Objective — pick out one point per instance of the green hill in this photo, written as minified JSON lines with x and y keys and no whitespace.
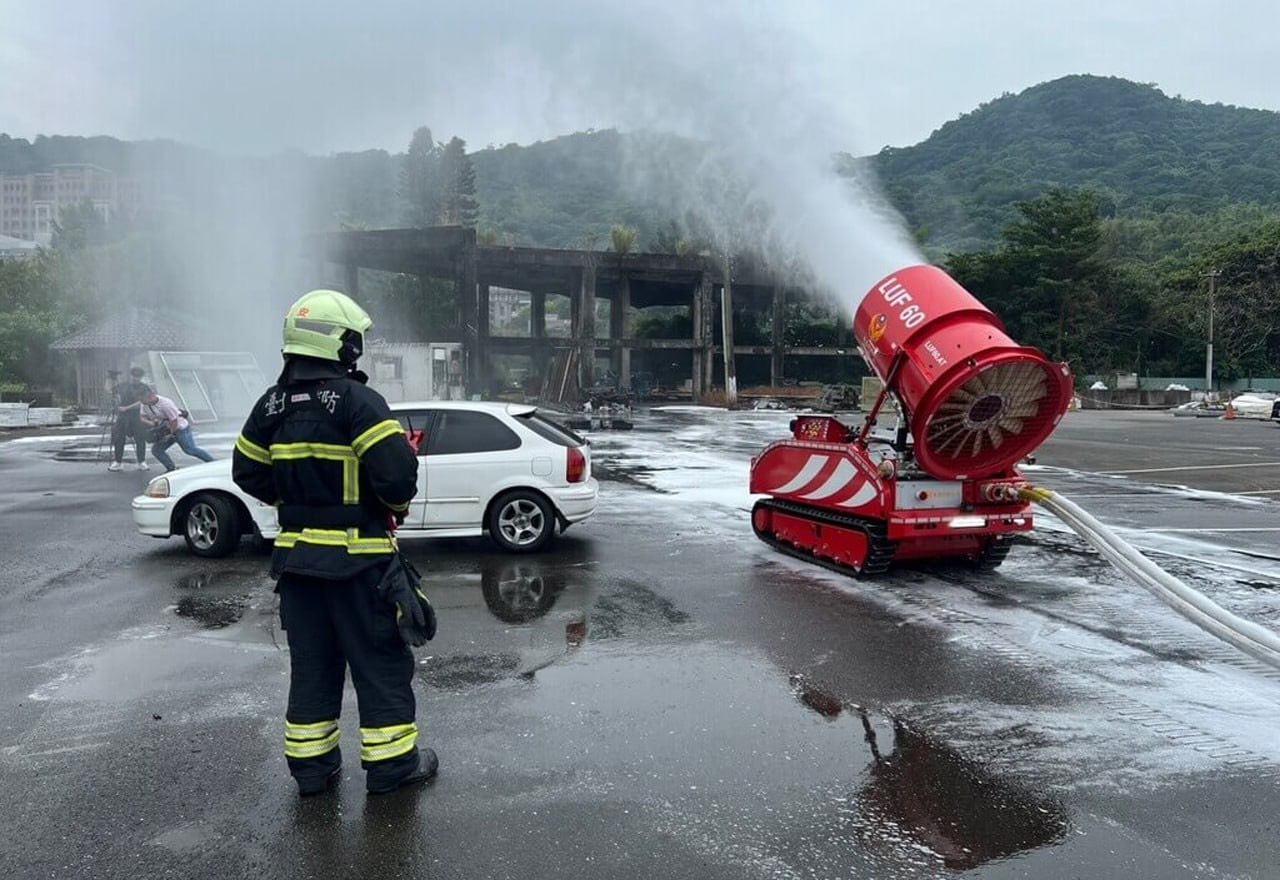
{"x":1143,"y":151}
{"x":1168,"y":167}
{"x":554,"y":193}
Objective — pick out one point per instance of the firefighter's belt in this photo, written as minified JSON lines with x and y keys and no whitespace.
{"x":294,"y":517}
{"x":349,"y":539}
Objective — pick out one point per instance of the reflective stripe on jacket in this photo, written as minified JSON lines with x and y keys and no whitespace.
{"x":327,"y":451}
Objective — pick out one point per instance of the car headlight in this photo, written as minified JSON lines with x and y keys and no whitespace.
{"x":158,"y":488}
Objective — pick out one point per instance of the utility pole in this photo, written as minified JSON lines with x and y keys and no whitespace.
{"x":1212,"y":275}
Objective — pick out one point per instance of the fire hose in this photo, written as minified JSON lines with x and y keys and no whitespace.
{"x":1249,"y":637}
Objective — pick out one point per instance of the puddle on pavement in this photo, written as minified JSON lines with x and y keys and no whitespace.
{"x":1066,"y":545}
{"x":206,"y":579}
{"x":212,"y":612}
{"x":213,"y":597}
{"x":614,"y":471}
{"x":727,"y":756}
{"x":528,"y":613}
{"x":85,"y":449}
{"x":960,"y":810}
{"x":133,"y":668}
{"x":518,"y":592}
{"x":456,"y":672}
{"x":631,"y":609}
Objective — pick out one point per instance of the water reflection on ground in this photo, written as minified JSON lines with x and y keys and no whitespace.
{"x":965,"y":813}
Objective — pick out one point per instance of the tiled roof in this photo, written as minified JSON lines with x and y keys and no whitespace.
{"x":132,"y":328}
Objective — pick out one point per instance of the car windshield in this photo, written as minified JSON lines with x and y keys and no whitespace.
{"x":550,"y":430}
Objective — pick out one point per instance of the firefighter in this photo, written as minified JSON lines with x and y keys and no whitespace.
{"x":325,"y":450}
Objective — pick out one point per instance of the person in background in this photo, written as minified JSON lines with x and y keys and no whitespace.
{"x":128,"y":403}
{"x":161,"y":412}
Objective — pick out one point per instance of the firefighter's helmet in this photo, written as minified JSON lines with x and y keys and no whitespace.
{"x":326,"y":324}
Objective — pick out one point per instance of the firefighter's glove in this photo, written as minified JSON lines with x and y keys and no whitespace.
{"x":401,"y":590}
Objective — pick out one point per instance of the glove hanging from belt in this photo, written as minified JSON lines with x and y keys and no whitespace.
{"x":401,"y":590}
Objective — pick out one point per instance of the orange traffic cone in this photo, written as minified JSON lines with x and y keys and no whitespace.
{"x":1230,"y":412}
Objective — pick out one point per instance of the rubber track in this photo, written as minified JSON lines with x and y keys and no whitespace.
{"x":993,"y":553}
{"x":881,"y":549}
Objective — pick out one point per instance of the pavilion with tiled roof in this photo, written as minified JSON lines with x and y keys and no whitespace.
{"x":119,"y":342}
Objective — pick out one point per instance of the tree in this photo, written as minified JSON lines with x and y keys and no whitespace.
{"x":421,"y":181}
{"x":1051,"y":290}
{"x":32,"y":316}
{"x":79,"y":226}
{"x":623,"y":238}
{"x":458,"y":206}
{"x":1246,"y":308}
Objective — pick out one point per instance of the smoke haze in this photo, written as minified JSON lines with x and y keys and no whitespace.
{"x":771,"y":92}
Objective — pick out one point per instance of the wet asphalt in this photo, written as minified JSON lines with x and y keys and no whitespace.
{"x":660,"y":695}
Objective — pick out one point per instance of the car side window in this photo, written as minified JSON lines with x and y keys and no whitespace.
{"x":417,"y":426}
{"x":459,"y":431}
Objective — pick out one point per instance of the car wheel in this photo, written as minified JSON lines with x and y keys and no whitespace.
{"x":522,"y":521}
{"x":211,"y":526}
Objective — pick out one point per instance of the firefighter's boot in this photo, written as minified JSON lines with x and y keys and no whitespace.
{"x":311,"y":787}
{"x":428,"y":764}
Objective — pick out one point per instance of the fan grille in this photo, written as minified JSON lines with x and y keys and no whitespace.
{"x":999,"y":415}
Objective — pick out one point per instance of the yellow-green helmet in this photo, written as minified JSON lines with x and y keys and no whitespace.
{"x":326,"y":324}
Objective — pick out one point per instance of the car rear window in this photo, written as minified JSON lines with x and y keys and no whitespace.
{"x":549,"y":430}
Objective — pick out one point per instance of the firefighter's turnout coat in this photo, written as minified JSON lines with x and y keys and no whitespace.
{"x":327,"y":452}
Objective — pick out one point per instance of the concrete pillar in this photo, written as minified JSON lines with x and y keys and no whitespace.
{"x":353,"y":281}
{"x":485,"y":371}
{"x":707,"y":295}
{"x":700,"y":355}
{"x":465,"y":287}
{"x":619,"y":329}
{"x":575,"y":304}
{"x":586,"y":326}
{"x":730,"y":361}
{"x":777,"y":335}
{"x":538,"y":331}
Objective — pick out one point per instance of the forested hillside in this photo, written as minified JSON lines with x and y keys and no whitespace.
{"x":1144,"y":152}
{"x":1180,"y":168}
{"x":1086,"y":211}
{"x":557,"y":193}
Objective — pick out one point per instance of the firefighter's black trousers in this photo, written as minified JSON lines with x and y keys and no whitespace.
{"x":330,"y":625}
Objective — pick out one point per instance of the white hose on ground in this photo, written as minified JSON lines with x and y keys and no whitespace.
{"x":1253,"y":639}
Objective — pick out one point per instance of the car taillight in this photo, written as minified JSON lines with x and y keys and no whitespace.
{"x":576,"y":466}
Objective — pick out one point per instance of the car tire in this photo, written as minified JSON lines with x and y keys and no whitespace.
{"x":211,"y":525}
{"x":522,"y":521}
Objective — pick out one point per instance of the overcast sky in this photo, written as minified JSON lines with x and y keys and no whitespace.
{"x":264,"y":75}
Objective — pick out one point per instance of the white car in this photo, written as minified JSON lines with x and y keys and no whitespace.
{"x":1253,"y":404}
{"x":496,"y":468}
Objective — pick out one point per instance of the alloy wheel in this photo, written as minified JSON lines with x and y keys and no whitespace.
{"x":521,"y":522}
{"x":202,"y":525}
